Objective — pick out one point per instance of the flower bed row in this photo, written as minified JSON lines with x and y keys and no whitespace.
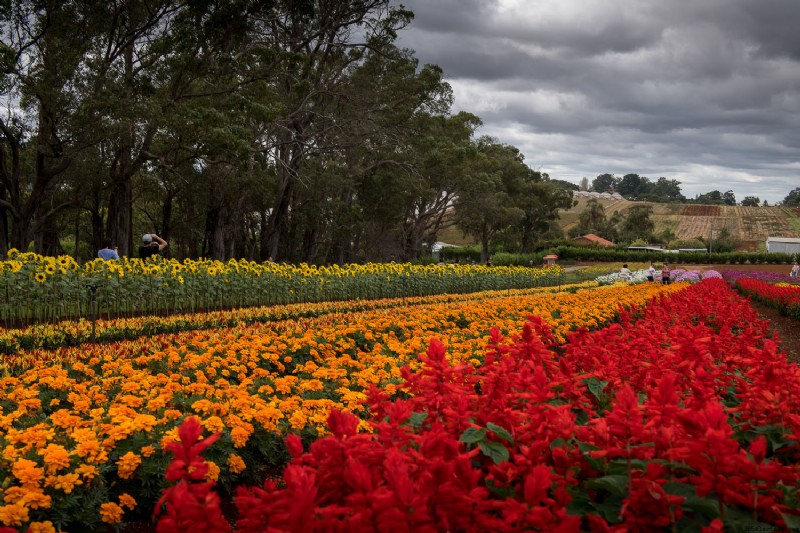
{"x":75,"y":333}
{"x":731,"y":276}
{"x":785,"y":298}
{"x":36,"y":288}
{"x":683,"y":420}
{"x":79,"y":437}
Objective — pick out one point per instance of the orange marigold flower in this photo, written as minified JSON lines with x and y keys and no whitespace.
{"x":41,"y":527}
{"x":239,"y":436}
{"x":214,"y":424}
{"x":213,"y":471}
{"x":147,"y":451}
{"x":126,"y":500}
{"x":33,"y":498}
{"x":27,"y":472}
{"x":298,"y":420}
{"x":14,"y":514}
{"x":67,"y":482}
{"x":111,"y":513}
{"x":56,"y":457}
{"x":236,"y":464}
{"x":87,"y":471}
{"x":128,"y":464}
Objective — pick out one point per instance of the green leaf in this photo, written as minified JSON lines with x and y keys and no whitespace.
{"x":581,"y":417}
{"x":496,"y":451}
{"x":792,"y":521}
{"x":473,"y":435}
{"x":680,"y":489}
{"x":416,"y":419}
{"x":500,"y":492}
{"x":500,"y":432}
{"x":596,"y":387}
{"x":705,"y":506}
{"x":615,"y":484}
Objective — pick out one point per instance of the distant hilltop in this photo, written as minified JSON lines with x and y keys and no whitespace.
{"x":750,"y":226}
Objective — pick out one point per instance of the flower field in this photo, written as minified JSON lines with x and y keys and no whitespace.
{"x":784,"y":297}
{"x":91,"y":431}
{"x":682,"y":419}
{"x":18,"y":341}
{"x":612,"y":404}
{"x":37,"y":288}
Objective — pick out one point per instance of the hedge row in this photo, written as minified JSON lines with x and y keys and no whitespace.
{"x":575,"y":253}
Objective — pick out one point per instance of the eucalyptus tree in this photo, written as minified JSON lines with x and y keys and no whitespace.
{"x":540,"y":201}
{"x":318,"y":44}
{"x":65,"y":64}
{"x":485,"y":206}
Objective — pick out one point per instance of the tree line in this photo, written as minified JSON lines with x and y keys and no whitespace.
{"x":663,"y":190}
{"x":283,"y":129}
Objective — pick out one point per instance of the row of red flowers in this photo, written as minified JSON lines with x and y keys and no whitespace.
{"x":681,"y":417}
{"x":785,"y":298}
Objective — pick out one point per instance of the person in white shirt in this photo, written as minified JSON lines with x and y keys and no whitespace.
{"x":625,"y":273}
{"x":651,"y":272}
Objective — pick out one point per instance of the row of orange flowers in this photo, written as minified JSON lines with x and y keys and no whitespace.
{"x":81,"y":442}
{"x":76,"y":332}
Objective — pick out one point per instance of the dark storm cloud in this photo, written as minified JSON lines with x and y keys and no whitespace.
{"x":709,"y":91}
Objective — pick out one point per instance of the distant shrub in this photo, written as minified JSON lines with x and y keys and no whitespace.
{"x":685,"y":243}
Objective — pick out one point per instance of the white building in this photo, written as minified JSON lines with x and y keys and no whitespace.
{"x":785,"y":245}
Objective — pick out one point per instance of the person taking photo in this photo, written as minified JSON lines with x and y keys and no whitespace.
{"x":152,"y":245}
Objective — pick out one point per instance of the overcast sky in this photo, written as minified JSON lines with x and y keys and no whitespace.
{"x":703,"y":91}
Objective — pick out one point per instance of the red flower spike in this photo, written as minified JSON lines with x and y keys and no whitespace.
{"x":342,"y":424}
{"x":758,"y":449}
{"x":294,"y":444}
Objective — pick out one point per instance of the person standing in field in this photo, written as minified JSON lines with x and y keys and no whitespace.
{"x":153,"y":245}
{"x":665,"y":273}
{"x":625,"y":273}
{"x":795,"y":272}
{"x":651,"y":272}
{"x":107,"y":253}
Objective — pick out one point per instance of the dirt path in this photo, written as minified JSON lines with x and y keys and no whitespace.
{"x":787,"y":328}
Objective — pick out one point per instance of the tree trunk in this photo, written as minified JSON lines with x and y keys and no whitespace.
{"x":276,"y":224}
{"x":4,"y":226}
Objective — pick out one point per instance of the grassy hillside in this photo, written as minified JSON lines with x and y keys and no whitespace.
{"x":749,"y":225}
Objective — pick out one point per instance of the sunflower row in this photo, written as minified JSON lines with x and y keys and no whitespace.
{"x":81,"y":441}
{"x":37,"y":288}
